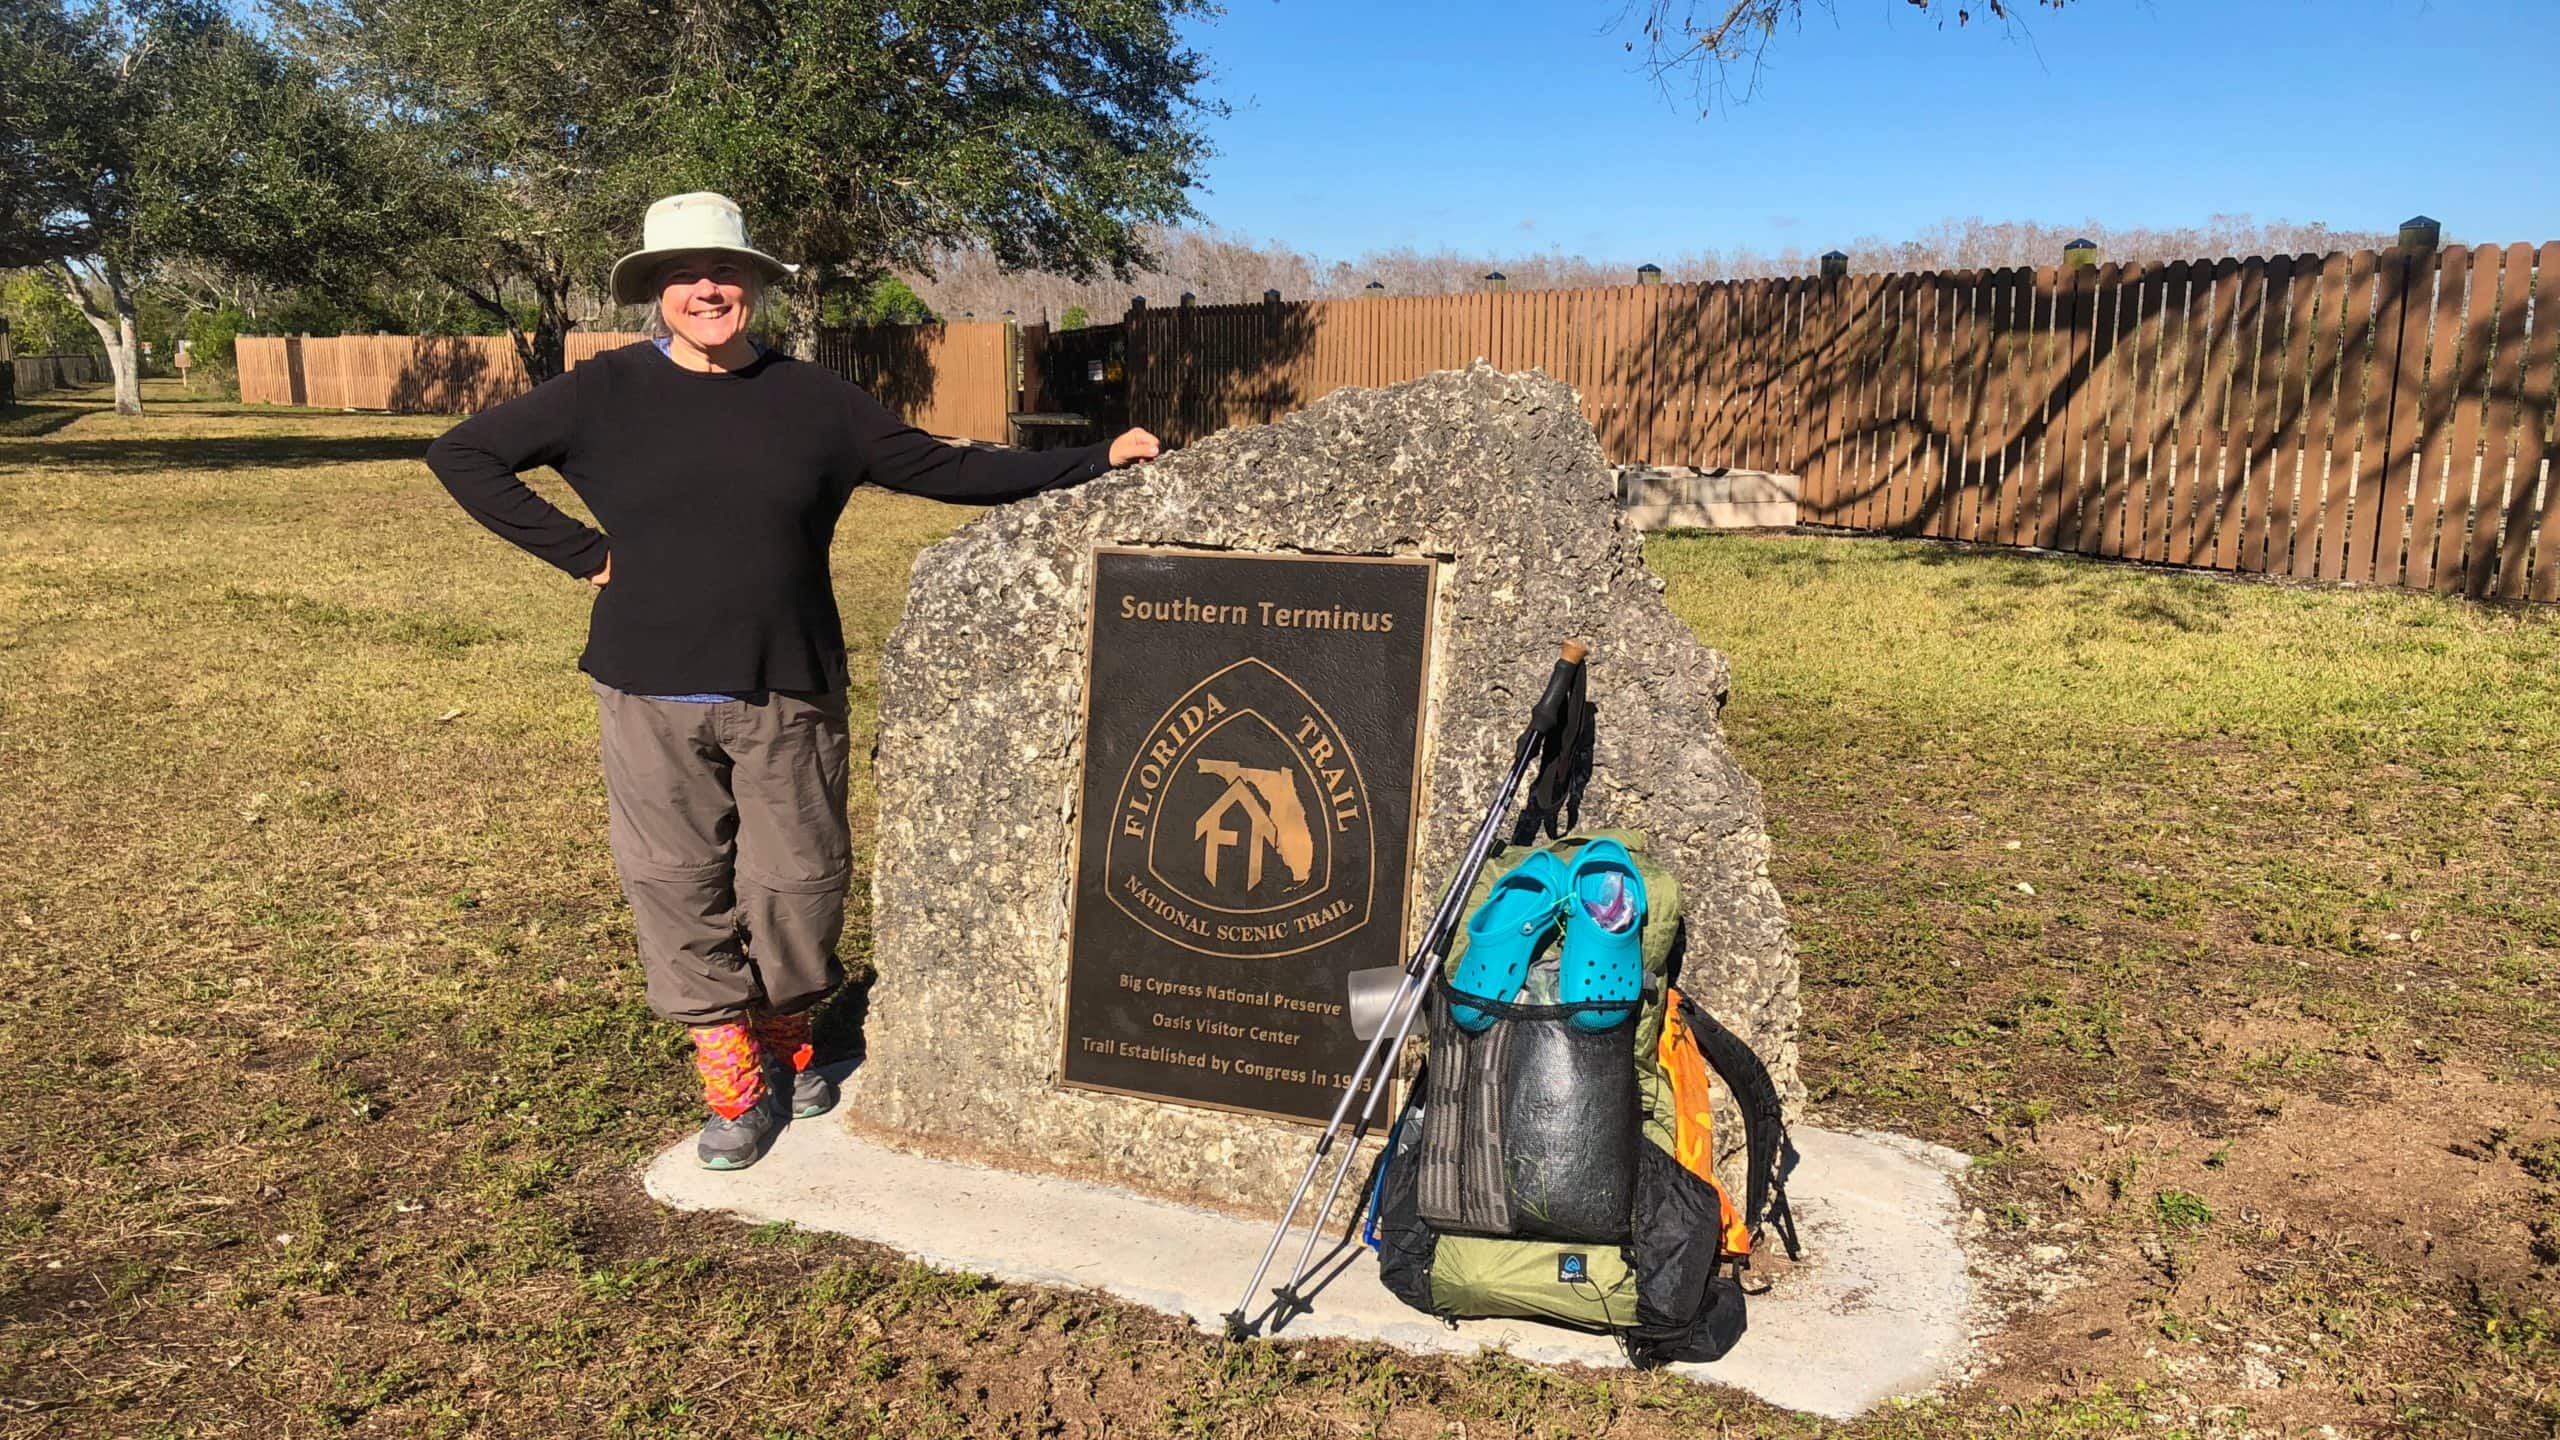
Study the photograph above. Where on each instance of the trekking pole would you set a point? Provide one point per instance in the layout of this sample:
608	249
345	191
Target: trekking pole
1546	721
1291	1300
1548	724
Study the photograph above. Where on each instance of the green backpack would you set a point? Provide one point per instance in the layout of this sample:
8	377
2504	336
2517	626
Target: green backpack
1543	1171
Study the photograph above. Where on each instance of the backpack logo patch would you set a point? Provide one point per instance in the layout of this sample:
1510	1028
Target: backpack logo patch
1573	1268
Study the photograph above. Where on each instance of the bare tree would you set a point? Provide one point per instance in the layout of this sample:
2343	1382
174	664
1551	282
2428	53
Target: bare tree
1216	265
1222	268
1713	49
1978	244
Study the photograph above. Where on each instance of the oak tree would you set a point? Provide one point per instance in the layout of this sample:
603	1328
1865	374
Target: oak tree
136	135
859	137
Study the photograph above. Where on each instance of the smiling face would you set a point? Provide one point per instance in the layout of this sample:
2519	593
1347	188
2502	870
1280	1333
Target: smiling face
707	299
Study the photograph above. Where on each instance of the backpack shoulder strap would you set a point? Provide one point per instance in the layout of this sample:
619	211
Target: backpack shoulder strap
1764	1124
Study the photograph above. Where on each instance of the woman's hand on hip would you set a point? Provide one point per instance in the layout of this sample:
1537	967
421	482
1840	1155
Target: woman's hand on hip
603	577
1133	446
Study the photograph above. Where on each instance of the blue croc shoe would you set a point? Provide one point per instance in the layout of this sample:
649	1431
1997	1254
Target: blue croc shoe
1603	934
1504	933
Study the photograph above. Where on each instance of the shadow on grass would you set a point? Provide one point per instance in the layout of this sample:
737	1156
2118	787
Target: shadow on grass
2040	574
38	418
2193	610
278	452
210	407
301	614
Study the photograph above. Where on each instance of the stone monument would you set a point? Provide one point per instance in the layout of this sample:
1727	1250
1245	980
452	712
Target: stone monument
1115	721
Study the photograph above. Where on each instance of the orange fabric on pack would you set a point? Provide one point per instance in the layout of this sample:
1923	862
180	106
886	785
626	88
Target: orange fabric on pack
1693	1115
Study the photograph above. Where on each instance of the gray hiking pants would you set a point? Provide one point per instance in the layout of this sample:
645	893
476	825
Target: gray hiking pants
728	829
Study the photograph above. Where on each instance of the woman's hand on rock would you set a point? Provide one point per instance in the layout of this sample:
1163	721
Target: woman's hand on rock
1133	446
603	577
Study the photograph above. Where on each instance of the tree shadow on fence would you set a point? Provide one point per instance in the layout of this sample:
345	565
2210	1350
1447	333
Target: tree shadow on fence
2207	413
33	375
456	375
1195	370
899	365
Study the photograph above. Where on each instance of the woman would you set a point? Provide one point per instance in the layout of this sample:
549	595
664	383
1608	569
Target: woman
718	471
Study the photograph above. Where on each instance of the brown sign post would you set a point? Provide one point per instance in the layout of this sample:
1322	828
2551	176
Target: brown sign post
1253	728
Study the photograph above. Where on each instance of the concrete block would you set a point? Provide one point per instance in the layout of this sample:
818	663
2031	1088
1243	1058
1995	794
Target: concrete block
1666	498
1768	515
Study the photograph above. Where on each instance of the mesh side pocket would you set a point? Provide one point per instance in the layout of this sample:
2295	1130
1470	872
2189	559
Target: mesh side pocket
1460	1187
1406	1244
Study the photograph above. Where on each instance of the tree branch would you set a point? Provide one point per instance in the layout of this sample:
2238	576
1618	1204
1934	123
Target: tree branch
75	288
1677	44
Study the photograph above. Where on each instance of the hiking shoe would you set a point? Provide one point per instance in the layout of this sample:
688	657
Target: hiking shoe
1507	929
1603	934
735	1144
811	1094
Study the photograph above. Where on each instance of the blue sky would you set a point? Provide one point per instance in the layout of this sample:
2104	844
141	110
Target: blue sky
1505	126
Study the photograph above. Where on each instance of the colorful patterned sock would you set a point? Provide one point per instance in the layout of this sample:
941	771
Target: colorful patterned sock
732	1071
785	1035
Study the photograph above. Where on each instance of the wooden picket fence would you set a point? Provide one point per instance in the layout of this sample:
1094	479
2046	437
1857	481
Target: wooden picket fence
2377	418
953	380
405	374
2381	418
32	375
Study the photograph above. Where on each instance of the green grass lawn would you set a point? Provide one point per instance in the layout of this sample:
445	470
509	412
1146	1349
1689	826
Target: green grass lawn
2221	919
2039	820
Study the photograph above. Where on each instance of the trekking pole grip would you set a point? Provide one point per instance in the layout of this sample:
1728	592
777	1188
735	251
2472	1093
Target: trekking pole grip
1550	711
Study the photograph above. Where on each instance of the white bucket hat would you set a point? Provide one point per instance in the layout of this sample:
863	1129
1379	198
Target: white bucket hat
685	225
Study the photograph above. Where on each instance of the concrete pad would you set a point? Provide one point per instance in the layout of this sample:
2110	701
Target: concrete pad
1880	1308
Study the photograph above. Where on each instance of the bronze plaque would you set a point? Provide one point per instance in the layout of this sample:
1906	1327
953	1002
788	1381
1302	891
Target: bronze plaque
1253	728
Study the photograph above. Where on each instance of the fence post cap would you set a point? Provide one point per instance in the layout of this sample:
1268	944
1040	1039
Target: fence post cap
1188	299
1375	287
2420	232
1270	297
1648	273
1137	302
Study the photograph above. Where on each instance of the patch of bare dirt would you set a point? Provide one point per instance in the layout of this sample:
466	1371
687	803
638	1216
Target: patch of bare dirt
2330	1262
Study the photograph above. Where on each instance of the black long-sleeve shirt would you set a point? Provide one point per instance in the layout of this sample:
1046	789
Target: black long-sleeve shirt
719	495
